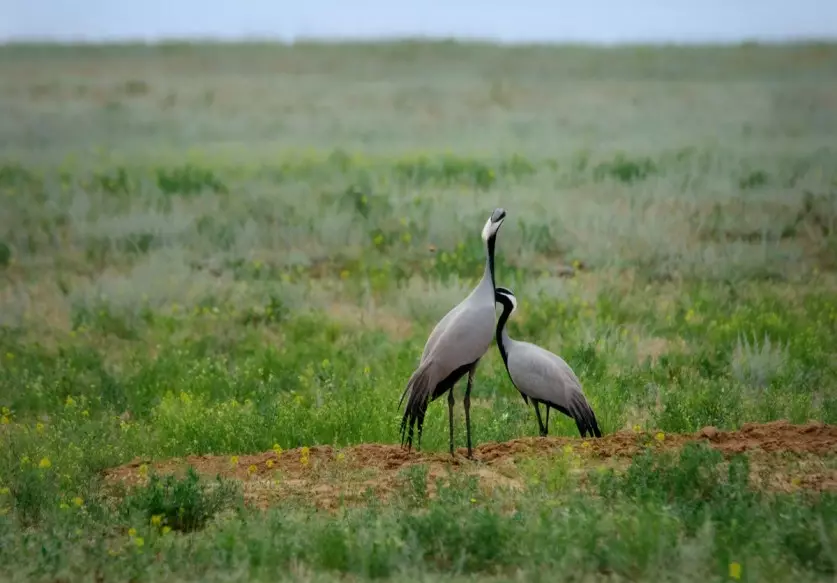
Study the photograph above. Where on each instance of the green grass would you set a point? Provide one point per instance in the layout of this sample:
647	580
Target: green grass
212	250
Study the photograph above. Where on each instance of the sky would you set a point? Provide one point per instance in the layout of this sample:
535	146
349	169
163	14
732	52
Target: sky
588	21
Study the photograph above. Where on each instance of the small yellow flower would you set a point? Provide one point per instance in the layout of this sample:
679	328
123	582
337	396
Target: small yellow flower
277	449
39	427
660	436
234	460
70	402
4	420
143	470
303	456
269	464
165	529
139	541
341	456
367	370
637	428
78	501
157	519
132	532
251	469
344	274
44	464
585	444
735	570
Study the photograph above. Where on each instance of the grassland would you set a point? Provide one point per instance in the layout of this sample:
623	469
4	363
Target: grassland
237	252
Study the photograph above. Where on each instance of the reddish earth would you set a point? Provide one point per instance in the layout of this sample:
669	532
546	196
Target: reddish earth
783	456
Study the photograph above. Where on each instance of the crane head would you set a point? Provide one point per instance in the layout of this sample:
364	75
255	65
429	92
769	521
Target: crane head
492	225
505	297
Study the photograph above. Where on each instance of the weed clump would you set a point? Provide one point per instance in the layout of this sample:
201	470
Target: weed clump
185	504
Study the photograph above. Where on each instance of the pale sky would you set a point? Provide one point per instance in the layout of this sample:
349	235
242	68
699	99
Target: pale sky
598	21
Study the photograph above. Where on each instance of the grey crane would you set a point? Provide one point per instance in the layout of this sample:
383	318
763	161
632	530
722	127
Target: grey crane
542	376
455	347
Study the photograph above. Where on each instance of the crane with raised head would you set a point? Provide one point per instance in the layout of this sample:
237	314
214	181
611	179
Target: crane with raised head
541	376
455	347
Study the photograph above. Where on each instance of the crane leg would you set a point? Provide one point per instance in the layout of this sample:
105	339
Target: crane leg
450	417
540	421
546	427
467	403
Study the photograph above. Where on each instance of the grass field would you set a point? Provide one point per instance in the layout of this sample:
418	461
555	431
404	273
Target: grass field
230	257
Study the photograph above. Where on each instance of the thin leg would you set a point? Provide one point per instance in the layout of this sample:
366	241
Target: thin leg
540	422
467	403
420	428
547	420
450	417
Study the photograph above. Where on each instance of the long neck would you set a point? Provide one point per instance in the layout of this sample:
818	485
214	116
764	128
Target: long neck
489	262
502	335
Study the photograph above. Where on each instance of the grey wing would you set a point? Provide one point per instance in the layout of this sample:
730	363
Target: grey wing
541	374
438	330
466	337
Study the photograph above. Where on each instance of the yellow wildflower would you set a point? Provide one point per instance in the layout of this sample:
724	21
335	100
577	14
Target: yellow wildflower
277	449
637	428
303	456
70	402
735	570
78	501
132	532
39	427
269	464
234	460
251	469
157	519
165	529
660	436
44	464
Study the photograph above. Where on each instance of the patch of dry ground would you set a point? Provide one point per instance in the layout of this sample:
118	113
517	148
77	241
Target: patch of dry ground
783	457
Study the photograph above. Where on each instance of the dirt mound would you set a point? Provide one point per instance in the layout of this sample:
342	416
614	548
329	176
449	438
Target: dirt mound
330	477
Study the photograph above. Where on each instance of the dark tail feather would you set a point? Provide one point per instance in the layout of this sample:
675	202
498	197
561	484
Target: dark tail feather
585	418
419	388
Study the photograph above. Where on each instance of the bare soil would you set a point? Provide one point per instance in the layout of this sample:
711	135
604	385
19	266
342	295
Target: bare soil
783	457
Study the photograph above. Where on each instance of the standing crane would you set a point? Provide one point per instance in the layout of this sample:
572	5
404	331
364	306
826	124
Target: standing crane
454	348
542	376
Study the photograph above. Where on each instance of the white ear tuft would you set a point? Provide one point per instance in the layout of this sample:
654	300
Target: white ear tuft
486	230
